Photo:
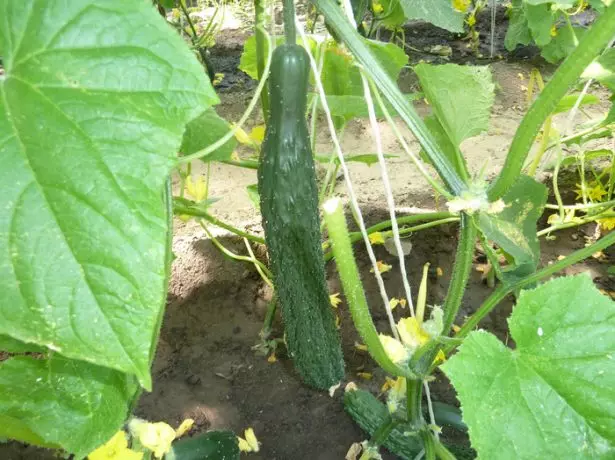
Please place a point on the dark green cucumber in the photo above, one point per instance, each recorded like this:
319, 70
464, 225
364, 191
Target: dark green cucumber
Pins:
370, 414
289, 206
215, 445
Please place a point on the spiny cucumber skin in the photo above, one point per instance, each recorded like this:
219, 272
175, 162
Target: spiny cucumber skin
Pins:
289, 207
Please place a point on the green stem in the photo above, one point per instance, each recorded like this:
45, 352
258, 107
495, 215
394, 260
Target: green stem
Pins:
183, 210
194, 38
414, 394
592, 43
290, 31
542, 148
356, 236
249, 164
429, 445
442, 452
269, 316
353, 288
499, 294
372, 66
461, 271
261, 54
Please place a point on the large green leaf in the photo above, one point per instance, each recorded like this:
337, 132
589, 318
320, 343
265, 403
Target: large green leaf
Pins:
514, 228
539, 20
553, 397
392, 13
203, 131
562, 44
438, 12
518, 32
93, 104
460, 96
12, 345
62, 402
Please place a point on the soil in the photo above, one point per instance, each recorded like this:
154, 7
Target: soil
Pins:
206, 366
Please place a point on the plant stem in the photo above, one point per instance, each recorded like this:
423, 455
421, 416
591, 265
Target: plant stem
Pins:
428, 444
269, 316
499, 294
261, 53
442, 452
461, 271
179, 210
248, 164
194, 39
414, 394
592, 43
353, 288
290, 31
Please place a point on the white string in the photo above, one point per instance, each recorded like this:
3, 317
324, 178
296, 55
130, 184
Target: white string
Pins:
353, 199
387, 189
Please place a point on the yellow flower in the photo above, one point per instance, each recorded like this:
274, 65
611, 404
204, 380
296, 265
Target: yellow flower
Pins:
116, 448
249, 443
394, 349
411, 333
377, 8
471, 20
198, 189
158, 436
608, 223
382, 267
335, 300
461, 5
257, 134
594, 193
376, 238
553, 31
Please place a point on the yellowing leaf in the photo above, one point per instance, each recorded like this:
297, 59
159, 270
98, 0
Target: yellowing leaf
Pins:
439, 272
360, 346
376, 238
116, 448
218, 77
382, 267
257, 134
338, 321
241, 136
197, 189
393, 303
365, 375
335, 300
272, 358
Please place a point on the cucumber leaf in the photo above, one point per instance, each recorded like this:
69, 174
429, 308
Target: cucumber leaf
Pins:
518, 32
203, 131
460, 96
440, 13
66, 403
93, 105
562, 44
554, 395
514, 228
11, 345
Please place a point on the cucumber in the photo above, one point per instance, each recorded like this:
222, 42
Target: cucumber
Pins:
215, 445
370, 414
289, 207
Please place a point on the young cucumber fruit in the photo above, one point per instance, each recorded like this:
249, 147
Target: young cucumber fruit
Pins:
289, 206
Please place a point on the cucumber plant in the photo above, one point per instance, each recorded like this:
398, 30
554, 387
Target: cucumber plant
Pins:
97, 97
